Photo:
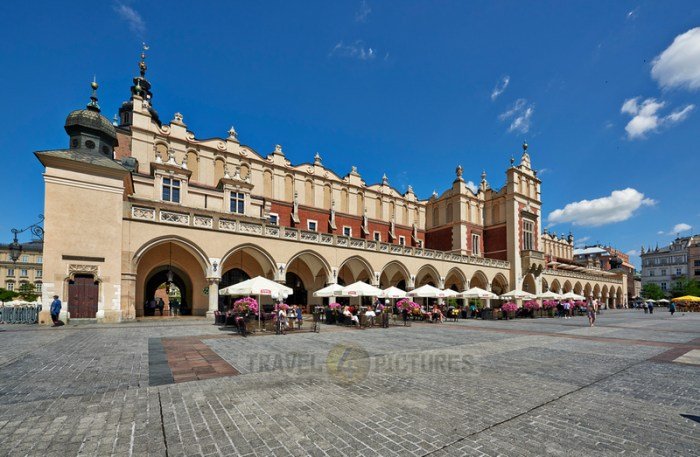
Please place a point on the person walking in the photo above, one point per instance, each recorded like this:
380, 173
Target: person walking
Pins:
651, 307
592, 308
672, 308
161, 305
55, 310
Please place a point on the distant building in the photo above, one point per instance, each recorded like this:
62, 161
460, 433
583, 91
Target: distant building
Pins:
666, 265
29, 267
608, 258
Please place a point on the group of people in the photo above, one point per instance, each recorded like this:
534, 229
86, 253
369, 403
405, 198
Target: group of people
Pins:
294, 314
154, 304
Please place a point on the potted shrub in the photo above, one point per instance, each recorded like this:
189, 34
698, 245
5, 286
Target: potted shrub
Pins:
245, 306
532, 307
550, 307
332, 313
508, 309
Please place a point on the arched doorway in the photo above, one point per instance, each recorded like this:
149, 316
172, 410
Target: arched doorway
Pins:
229, 278
300, 296
187, 264
312, 272
178, 290
394, 274
529, 284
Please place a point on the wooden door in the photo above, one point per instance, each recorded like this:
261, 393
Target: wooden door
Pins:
82, 297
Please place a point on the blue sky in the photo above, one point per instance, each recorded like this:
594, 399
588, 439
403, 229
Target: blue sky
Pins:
605, 97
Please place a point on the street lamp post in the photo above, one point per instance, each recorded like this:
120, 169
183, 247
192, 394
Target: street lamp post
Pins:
16, 247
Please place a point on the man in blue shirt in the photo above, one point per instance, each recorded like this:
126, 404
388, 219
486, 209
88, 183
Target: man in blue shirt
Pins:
55, 310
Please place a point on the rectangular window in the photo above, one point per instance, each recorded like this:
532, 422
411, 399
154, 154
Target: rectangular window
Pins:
475, 244
25, 258
697, 263
377, 236
10, 272
10, 286
678, 272
23, 272
171, 190
402, 240
528, 232
312, 225
274, 219
39, 273
237, 203
347, 231
663, 286
663, 272
37, 287
651, 272
40, 259
697, 272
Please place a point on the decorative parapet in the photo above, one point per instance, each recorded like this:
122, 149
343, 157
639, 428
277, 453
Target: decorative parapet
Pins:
580, 275
291, 234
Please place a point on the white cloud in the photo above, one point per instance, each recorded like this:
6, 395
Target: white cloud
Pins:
542, 171
132, 18
356, 50
679, 64
362, 14
632, 14
471, 186
500, 87
619, 206
646, 117
632, 253
581, 242
520, 115
682, 227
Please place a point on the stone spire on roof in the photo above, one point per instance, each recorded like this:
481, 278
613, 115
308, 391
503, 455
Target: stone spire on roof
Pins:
93, 105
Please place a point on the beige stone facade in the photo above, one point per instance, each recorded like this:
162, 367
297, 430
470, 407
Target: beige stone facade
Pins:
214, 211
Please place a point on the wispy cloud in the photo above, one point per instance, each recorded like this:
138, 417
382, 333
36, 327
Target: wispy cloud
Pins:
632, 14
581, 242
520, 116
646, 117
363, 13
542, 171
619, 206
132, 18
679, 65
500, 87
471, 186
356, 50
677, 229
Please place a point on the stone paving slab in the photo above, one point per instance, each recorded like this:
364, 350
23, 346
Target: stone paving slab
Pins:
425, 390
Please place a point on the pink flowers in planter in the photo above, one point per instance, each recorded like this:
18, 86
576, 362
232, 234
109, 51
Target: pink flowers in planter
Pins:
580, 303
509, 307
282, 306
246, 304
334, 306
549, 304
407, 304
531, 305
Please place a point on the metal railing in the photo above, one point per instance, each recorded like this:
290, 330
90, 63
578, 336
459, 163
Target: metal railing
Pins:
19, 314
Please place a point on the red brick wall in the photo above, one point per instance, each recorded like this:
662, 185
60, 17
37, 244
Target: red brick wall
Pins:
123, 148
439, 239
284, 210
495, 241
474, 230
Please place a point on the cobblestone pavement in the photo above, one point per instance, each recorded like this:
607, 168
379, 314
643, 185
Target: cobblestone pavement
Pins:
522, 388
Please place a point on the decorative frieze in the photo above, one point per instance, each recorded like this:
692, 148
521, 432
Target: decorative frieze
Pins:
148, 214
229, 226
247, 227
203, 221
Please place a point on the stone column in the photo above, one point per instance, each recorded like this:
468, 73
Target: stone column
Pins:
488, 300
213, 297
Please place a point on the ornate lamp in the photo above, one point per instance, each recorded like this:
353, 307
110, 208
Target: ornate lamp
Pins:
15, 247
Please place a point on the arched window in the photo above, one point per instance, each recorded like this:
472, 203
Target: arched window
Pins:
267, 184
436, 216
193, 165
218, 170
448, 213
404, 215
162, 149
245, 170
327, 196
344, 200
309, 198
360, 204
378, 208
288, 188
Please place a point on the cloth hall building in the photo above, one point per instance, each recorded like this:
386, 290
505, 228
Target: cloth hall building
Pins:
138, 202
